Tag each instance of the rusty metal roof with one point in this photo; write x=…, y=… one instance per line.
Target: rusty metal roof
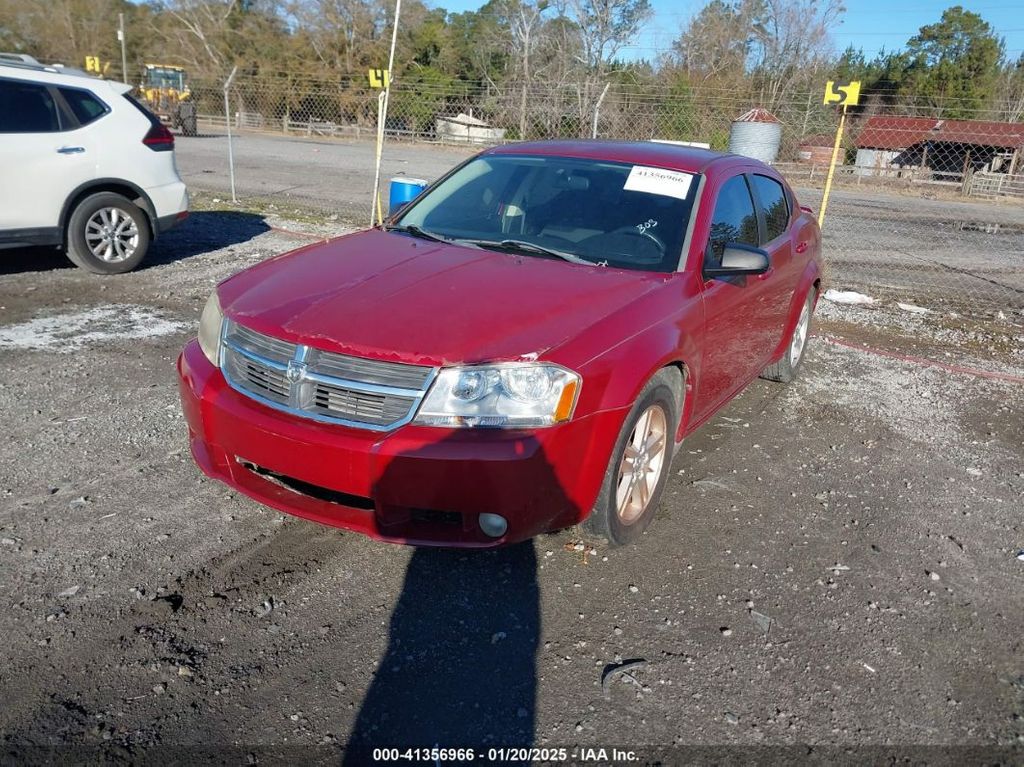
x=757, y=115
x=883, y=132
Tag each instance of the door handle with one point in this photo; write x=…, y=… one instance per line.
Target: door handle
x=71, y=150
x=801, y=247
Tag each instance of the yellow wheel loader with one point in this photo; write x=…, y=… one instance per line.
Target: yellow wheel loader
x=165, y=91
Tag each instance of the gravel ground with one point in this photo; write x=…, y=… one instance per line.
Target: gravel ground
x=835, y=562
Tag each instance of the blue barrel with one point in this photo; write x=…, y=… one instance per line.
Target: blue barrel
x=403, y=190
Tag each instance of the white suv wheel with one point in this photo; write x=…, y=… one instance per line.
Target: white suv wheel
x=107, y=234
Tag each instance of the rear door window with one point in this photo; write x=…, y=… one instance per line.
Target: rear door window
x=775, y=205
x=85, y=106
x=734, y=219
x=27, y=108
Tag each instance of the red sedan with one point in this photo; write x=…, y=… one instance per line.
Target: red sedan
x=521, y=349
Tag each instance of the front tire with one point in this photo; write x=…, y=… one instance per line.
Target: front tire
x=107, y=234
x=785, y=369
x=639, y=464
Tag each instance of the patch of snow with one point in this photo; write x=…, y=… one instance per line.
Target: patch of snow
x=847, y=297
x=98, y=325
x=913, y=309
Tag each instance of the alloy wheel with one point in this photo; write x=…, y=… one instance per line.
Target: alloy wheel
x=796, y=346
x=641, y=465
x=111, y=235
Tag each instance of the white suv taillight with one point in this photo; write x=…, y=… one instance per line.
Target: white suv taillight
x=158, y=138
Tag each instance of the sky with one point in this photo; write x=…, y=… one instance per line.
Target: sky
x=868, y=24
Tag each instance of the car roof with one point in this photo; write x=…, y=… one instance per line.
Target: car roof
x=56, y=74
x=663, y=155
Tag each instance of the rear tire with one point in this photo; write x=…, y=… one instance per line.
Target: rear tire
x=786, y=368
x=633, y=482
x=107, y=234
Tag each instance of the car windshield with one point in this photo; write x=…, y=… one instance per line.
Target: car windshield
x=595, y=211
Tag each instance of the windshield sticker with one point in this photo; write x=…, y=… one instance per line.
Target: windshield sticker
x=668, y=183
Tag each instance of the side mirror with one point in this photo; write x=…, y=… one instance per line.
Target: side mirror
x=739, y=260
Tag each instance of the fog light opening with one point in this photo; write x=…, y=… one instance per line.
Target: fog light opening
x=493, y=525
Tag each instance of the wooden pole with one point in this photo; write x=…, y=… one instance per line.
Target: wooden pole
x=124, y=55
x=965, y=185
x=382, y=112
x=832, y=167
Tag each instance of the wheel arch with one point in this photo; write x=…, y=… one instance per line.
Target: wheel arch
x=124, y=188
x=631, y=367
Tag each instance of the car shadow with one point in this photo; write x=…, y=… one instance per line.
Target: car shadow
x=35, y=259
x=202, y=232
x=460, y=666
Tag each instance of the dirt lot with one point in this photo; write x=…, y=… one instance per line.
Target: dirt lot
x=835, y=562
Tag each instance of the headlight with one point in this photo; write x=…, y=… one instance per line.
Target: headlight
x=511, y=396
x=209, y=329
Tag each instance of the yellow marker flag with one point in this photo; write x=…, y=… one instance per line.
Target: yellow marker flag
x=379, y=78
x=842, y=95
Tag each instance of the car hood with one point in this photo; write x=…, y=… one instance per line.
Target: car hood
x=390, y=296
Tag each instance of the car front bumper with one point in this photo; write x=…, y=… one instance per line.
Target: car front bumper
x=417, y=485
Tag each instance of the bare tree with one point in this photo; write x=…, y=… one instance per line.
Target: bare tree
x=792, y=41
x=525, y=20
x=336, y=29
x=199, y=32
x=602, y=29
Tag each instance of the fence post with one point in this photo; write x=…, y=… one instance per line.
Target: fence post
x=227, y=121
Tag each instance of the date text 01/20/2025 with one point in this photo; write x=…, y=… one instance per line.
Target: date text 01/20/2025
x=504, y=754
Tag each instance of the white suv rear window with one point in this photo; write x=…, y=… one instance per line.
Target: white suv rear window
x=85, y=106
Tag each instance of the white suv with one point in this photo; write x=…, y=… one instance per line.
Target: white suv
x=83, y=166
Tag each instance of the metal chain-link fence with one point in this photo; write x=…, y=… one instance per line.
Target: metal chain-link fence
x=922, y=206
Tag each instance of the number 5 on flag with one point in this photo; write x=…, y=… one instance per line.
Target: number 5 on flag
x=842, y=95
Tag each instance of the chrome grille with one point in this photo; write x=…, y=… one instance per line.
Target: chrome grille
x=372, y=371
x=256, y=376
x=257, y=343
x=322, y=385
x=371, y=408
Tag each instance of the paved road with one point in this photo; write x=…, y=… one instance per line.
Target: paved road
x=334, y=175
x=784, y=595
x=920, y=248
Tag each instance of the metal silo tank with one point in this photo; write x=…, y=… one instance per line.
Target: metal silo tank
x=756, y=134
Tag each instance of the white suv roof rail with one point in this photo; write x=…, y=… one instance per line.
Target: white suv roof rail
x=24, y=61
x=18, y=58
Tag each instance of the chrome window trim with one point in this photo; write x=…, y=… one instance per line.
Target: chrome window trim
x=301, y=354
